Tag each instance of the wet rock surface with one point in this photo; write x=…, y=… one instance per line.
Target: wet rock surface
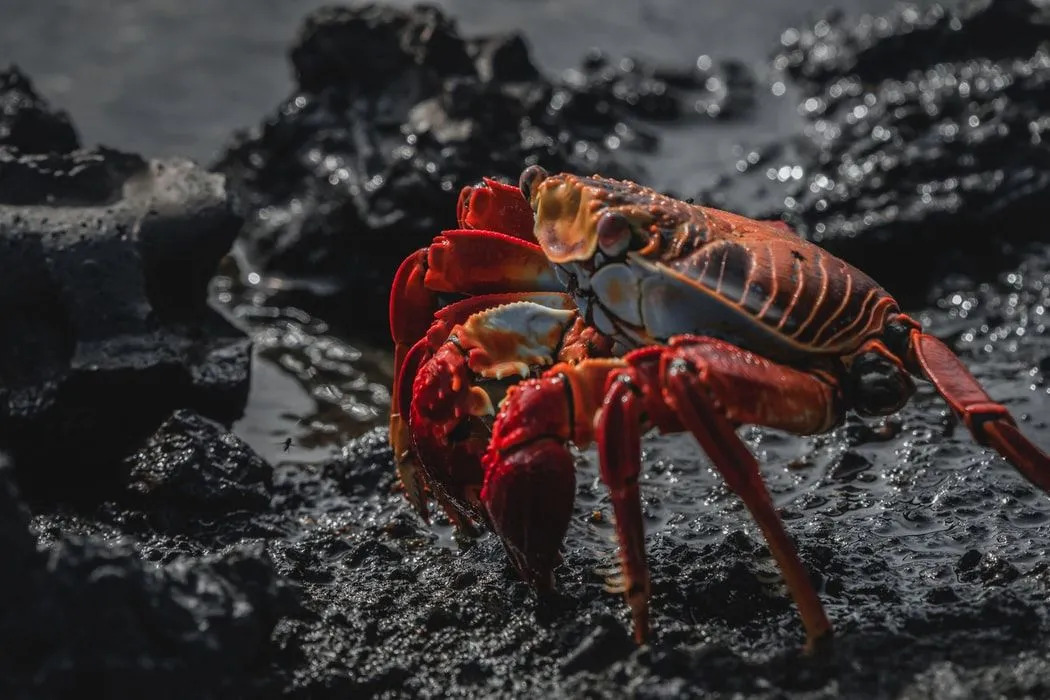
x=198, y=569
x=929, y=553
x=926, y=133
x=86, y=612
x=103, y=300
x=396, y=107
x=193, y=464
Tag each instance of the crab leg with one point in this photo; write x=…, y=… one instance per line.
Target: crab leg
x=990, y=422
x=714, y=387
x=619, y=455
x=702, y=385
x=530, y=481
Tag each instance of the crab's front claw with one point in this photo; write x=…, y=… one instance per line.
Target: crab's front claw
x=448, y=430
x=530, y=479
x=528, y=495
x=494, y=206
x=408, y=469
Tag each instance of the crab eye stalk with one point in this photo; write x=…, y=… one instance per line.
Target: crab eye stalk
x=530, y=177
x=614, y=233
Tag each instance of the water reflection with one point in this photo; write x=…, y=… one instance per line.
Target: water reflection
x=309, y=385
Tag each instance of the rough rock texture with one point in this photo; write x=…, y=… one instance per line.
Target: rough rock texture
x=194, y=465
x=395, y=112
x=88, y=614
x=103, y=300
x=927, y=137
x=927, y=551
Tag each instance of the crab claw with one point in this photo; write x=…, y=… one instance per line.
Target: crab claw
x=495, y=206
x=447, y=428
x=408, y=469
x=530, y=479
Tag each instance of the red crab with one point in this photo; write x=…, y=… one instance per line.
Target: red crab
x=593, y=310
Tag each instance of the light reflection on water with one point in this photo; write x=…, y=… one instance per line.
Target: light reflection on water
x=308, y=385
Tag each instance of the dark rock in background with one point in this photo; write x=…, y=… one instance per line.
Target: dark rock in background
x=192, y=463
x=87, y=615
x=396, y=112
x=27, y=122
x=927, y=147
x=104, y=314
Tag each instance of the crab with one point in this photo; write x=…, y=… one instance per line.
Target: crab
x=576, y=310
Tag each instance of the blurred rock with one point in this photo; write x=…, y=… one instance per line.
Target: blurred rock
x=927, y=146
x=103, y=300
x=88, y=615
x=28, y=122
x=394, y=113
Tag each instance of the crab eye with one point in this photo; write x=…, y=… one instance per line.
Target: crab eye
x=530, y=177
x=614, y=233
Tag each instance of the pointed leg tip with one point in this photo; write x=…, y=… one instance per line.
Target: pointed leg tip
x=642, y=632
x=413, y=486
x=542, y=581
x=639, y=604
x=821, y=644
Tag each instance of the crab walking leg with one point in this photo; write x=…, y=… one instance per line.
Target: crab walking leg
x=714, y=387
x=702, y=385
x=405, y=462
x=990, y=422
x=444, y=321
x=619, y=454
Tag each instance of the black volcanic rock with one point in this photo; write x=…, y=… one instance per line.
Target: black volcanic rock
x=393, y=114
x=194, y=464
x=103, y=302
x=927, y=137
x=395, y=111
x=28, y=122
x=87, y=614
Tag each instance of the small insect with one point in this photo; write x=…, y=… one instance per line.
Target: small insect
x=287, y=444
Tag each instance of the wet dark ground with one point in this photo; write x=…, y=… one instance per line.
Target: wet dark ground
x=167, y=556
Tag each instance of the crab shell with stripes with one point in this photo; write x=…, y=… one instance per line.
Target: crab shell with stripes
x=591, y=310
